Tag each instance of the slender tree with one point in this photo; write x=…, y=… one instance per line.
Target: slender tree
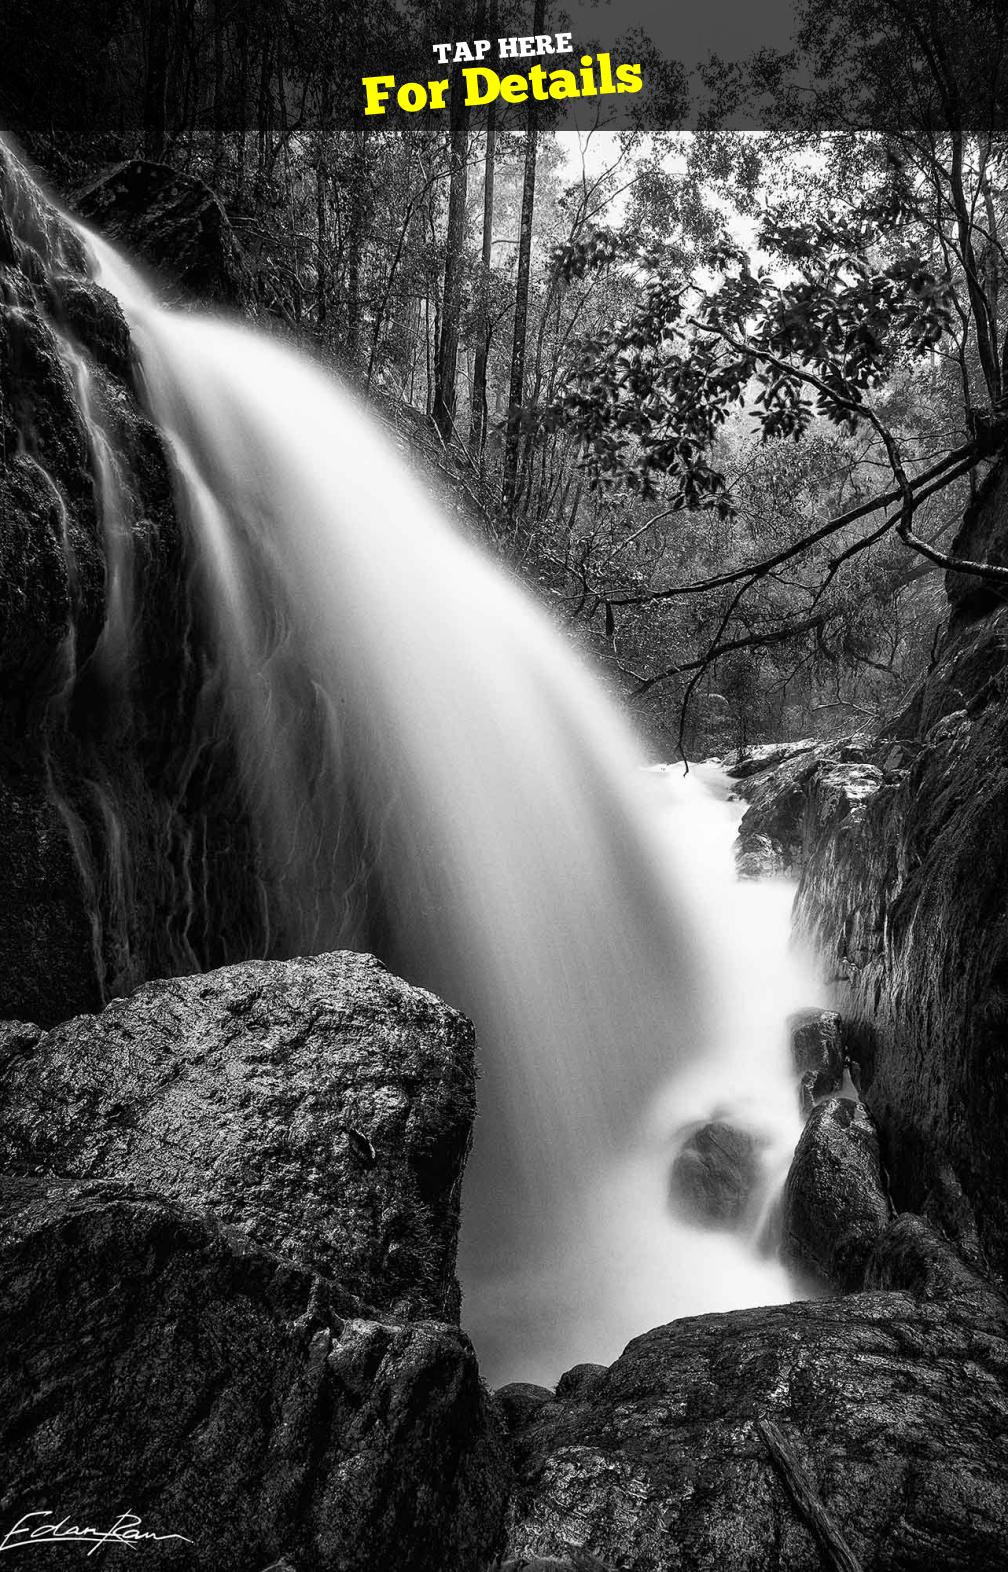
x=447, y=360
x=516, y=397
x=478, y=418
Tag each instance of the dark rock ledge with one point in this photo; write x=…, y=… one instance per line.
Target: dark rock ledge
x=156, y=1364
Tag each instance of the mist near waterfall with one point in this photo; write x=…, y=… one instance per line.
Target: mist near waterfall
x=435, y=775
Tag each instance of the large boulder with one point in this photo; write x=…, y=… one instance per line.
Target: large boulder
x=715, y=1174
x=835, y=1206
x=177, y=224
x=322, y=1107
x=157, y=1367
x=894, y=1411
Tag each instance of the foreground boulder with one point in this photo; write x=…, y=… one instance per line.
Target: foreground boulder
x=715, y=1175
x=895, y=1412
x=320, y=1106
x=835, y=1206
x=157, y=1366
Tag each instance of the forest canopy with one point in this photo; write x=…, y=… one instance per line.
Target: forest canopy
x=720, y=394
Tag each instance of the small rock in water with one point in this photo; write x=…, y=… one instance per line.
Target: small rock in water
x=835, y=1204
x=817, y=1054
x=755, y=857
x=715, y=1174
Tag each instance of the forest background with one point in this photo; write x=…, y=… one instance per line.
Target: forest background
x=718, y=381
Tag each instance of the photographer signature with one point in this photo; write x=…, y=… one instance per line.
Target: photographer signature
x=51, y=1530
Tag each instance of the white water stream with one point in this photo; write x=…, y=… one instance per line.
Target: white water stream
x=626, y=1259
x=417, y=741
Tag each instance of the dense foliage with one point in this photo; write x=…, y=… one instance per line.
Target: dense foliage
x=720, y=397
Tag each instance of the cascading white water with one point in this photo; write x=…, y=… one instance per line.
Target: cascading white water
x=426, y=758
x=627, y=1257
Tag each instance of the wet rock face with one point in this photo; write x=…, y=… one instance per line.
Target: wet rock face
x=835, y=1206
x=750, y=767
x=322, y=1108
x=817, y=1053
x=126, y=849
x=715, y=1175
x=157, y=1365
x=176, y=224
x=901, y=839
x=905, y=903
x=914, y=1255
x=798, y=801
x=982, y=537
x=897, y=1411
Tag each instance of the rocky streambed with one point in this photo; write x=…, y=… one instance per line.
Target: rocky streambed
x=229, y=1212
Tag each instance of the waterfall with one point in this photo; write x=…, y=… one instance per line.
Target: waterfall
x=434, y=773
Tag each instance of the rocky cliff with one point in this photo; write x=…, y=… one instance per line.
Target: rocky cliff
x=126, y=850
x=901, y=839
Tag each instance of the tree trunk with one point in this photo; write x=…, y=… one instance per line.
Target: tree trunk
x=355, y=245
x=265, y=106
x=513, y=438
x=477, y=421
x=241, y=108
x=447, y=362
x=322, y=235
